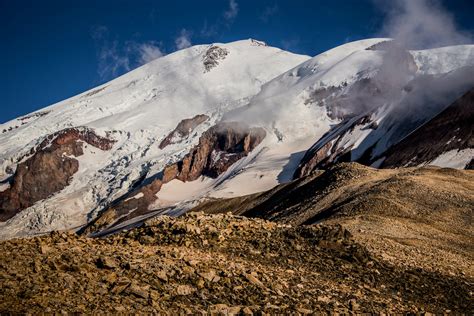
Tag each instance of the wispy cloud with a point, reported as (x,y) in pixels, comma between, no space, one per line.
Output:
(115,57)
(183,40)
(268,12)
(111,61)
(421,24)
(231,13)
(149,51)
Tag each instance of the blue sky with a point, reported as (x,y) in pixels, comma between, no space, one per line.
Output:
(52,50)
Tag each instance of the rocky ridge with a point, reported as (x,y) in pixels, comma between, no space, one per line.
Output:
(414,217)
(328,150)
(408,143)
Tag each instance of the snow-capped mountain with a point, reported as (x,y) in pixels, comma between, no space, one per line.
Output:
(390,110)
(215,121)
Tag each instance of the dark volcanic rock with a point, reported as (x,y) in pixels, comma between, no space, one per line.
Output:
(327,150)
(470,165)
(452,129)
(183,129)
(48,170)
(385,45)
(412,143)
(212,56)
(131,205)
(219,147)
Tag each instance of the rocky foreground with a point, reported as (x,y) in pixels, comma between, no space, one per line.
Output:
(219,264)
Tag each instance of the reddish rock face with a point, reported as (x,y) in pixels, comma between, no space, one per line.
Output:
(69,135)
(183,129)
(219,147)
(312,160)
(48,170)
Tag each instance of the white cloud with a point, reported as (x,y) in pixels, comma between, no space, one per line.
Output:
(421,24)
(148,52)
(111,60)
(232,12)
(115,57)
(183,40)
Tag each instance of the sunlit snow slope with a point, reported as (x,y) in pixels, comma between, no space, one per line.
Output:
(139,109)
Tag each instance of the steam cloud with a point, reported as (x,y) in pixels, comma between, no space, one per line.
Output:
(413,25)
(183,40)
(411,96)
(420,24)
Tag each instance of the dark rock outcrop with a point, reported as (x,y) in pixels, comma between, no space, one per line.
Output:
(451,129)
(255,42)
(48,170)
(346,101)
(212,57)
(183,129)
(129,206)
(219,147)
(408,142)
(470,165)
(328,151)
(385,45)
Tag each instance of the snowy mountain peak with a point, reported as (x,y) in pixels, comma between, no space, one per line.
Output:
(219,120)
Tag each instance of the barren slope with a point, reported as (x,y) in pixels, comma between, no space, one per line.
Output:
(219,264)
(420,217)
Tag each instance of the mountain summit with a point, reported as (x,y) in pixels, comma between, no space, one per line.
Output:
(226,120)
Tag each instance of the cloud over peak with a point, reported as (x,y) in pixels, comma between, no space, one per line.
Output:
(183,40)
(116,57)
(418,24)
(149,51)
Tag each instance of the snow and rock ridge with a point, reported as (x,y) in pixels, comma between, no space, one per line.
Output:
(295,99)
(137,110)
